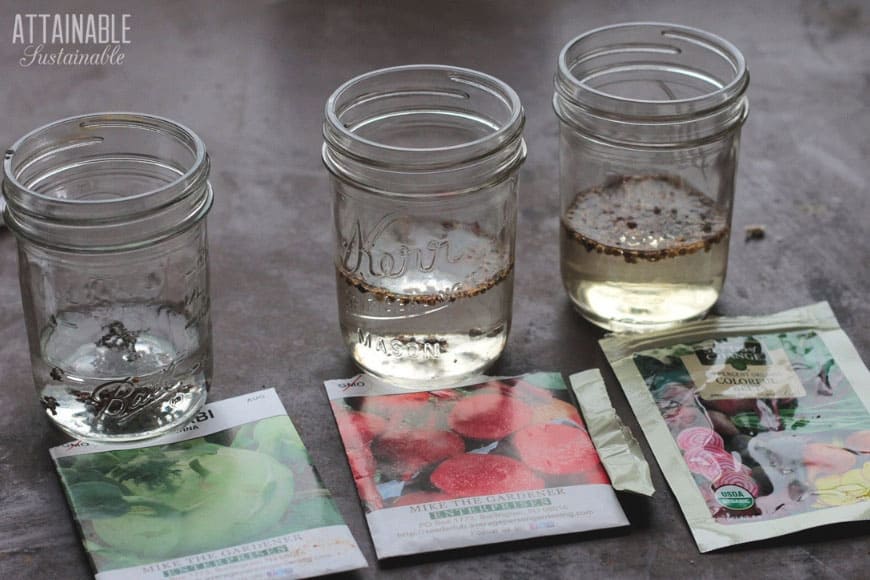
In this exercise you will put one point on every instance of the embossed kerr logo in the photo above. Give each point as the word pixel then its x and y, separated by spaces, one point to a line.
pixel 361 253
pixel 71 39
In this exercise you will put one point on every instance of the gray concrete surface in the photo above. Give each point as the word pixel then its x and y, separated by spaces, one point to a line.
pixel 251 78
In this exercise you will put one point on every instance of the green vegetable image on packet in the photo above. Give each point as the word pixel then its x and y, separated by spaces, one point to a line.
pixel 494 460
pixel 233 493
pixel 761 425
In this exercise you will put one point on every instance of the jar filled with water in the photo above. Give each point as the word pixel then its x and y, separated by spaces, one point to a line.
pixel 650 117
pixel 109 213
pixel 424 163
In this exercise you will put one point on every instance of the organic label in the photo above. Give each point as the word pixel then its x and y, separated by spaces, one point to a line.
pixel 734 497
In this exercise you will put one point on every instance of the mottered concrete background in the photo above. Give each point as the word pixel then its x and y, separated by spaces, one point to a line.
pixel 252 77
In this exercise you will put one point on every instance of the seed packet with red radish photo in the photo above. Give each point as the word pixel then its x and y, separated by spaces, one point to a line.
pixel 761 425
pixel 496 460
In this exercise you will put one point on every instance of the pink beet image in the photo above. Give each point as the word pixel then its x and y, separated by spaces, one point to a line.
pixel 699 438
pixel 739 478
pixel 703 462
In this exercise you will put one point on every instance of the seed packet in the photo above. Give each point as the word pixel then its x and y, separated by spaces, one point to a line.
pixel 495 460
pixel 761 425
pixel 232 494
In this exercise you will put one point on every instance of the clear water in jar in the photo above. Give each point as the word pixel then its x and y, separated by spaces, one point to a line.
pixel 445 317
pixel 121 372
pixel 643 253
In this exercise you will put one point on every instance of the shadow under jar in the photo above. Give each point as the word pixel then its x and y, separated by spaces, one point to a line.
pixel 109 213
pixel 650 117
pixel 424 162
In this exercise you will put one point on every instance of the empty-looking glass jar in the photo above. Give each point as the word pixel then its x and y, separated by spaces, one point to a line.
pixel 424 162
pixel 650 124
pixel 109 212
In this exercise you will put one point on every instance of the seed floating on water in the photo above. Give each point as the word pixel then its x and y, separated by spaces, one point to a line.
pixel 642 251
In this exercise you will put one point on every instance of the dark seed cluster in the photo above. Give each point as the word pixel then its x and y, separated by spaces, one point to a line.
pixel 382 295
pixel 650 217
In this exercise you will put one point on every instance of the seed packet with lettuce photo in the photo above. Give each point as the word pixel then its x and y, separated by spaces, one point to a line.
pixel 496 460
pixel 761 425
pixel 232 494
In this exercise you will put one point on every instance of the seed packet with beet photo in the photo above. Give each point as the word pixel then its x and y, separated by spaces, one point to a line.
pixel 761 425
pixel 232 494
pixel 498 460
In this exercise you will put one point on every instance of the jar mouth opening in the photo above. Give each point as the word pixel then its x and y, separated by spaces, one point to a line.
pixel 422 117
pixel 650 69
pixel 76 145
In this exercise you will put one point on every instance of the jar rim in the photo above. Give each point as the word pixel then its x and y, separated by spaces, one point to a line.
pixel 109 119
pixel 337 134
pixel 585 95
pixel 120 222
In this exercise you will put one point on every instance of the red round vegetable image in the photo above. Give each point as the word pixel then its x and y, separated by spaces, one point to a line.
pixel 489 416
pixel 497 437
pixel 363 468
pixel 405 452
pixel 393 407
pixel 556 449
pixel 556 410
pixel 358 429
pixel 472 474
pixel 518 389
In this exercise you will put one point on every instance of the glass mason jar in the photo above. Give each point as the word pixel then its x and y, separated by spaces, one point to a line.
pixel 650 117
pixel 424 164
pixel 108 210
